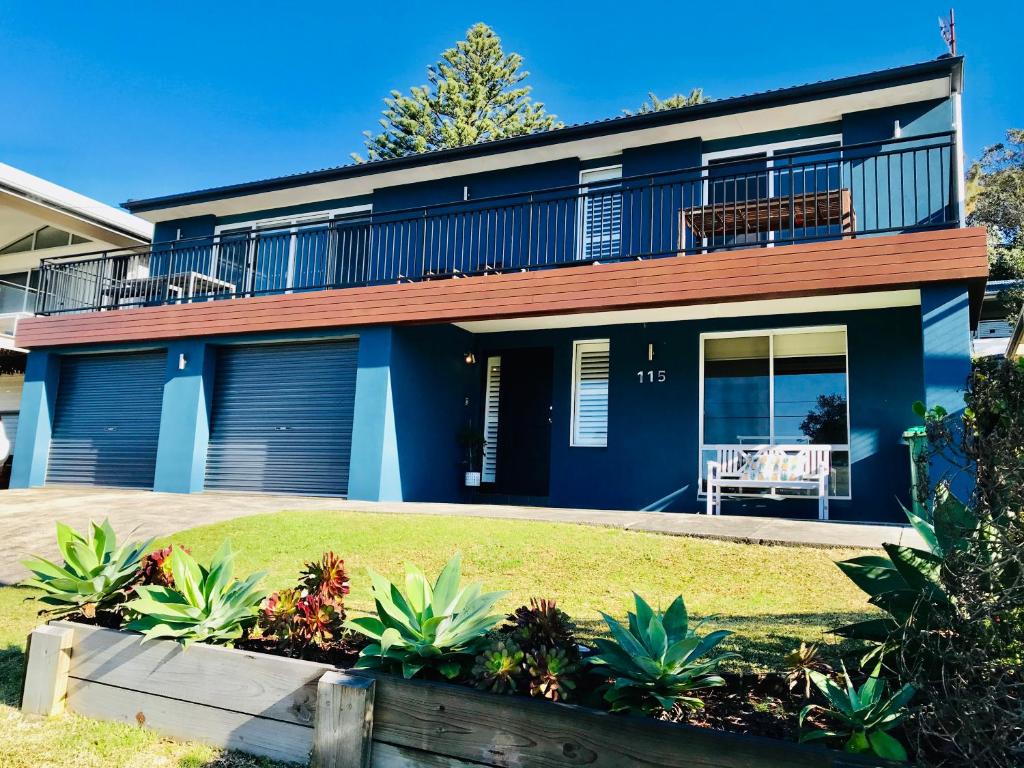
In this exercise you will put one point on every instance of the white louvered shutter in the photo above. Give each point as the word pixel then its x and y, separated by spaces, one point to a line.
pixel 590 393
pixel 602 214
pixel 491 403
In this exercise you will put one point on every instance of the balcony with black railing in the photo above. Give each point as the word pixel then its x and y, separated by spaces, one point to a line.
pixel 824 192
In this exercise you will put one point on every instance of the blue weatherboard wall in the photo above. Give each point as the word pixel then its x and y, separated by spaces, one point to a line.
pixel 946 341
pixel 651 459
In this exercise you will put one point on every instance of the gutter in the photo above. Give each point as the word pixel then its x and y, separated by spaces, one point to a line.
pixel 947 65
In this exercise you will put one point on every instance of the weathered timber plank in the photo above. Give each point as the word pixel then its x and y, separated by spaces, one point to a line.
pixel 187 721
pixel 343 729
pixel 240 681
pixel 510 731
pixel 46 673
pixel 390 756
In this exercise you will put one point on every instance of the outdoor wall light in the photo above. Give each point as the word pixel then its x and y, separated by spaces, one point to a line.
pixel 182 361
pixel 470 358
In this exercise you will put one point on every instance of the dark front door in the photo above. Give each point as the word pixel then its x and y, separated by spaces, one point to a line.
pixel 524 422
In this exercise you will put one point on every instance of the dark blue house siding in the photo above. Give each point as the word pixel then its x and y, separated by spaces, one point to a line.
pixel 651 459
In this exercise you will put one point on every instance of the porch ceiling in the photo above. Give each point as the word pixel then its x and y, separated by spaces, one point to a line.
pixel 866 265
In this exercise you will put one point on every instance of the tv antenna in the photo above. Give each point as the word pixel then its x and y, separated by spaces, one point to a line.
pixel 948 31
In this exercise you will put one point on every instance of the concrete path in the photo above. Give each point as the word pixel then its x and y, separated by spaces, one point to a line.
pixel 27 519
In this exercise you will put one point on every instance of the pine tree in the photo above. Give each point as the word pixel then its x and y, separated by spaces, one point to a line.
pixel 654 104
pixel 475 94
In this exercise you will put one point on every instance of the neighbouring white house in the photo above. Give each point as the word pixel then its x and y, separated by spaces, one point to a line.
pixel 40 220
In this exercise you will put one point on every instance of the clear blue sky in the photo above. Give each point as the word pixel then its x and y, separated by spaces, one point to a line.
pixel 129 100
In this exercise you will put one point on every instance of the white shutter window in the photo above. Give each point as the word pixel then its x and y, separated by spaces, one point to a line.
pixel 492 394
pixel 601 214
pixel 590 393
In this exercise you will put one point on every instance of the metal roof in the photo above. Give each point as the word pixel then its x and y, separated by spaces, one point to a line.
pixel 946 65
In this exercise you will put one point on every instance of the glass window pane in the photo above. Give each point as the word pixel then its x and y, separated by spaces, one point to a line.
pixel 19 246
pixel 77 239
pixel 810 388
pixel 736 390
pixel 51 237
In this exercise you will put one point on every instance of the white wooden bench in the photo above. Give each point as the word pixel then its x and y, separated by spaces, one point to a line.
pixel 771 468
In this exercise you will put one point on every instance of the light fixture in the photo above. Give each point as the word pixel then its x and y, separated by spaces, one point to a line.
pixel 182 361
pixel 470 358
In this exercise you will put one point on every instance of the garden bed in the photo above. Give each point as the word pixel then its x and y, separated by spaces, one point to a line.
pixel 287 709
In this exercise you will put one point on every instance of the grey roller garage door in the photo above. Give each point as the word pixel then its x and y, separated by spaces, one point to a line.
pixel 107 420
pixel 282 418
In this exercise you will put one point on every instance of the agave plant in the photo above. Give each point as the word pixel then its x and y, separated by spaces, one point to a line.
pixel 437 626
pixel 906 581
pixel 862 717
pixel 205 604
pixel 657 661
pixel 94 575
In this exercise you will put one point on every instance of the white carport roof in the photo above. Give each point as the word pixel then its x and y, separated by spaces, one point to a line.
pixel 22 194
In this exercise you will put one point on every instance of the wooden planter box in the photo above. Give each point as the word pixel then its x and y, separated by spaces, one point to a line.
pixel 297 711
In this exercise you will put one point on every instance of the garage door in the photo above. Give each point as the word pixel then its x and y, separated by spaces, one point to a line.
pixel 107 420
pixel 282 418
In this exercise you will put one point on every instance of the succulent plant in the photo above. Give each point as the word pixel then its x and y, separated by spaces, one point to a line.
pixel 551 674
pixel 205 605
pixel 541 624
pixel 326 577
pixel 657 661
pixel 437 626
pixel 499 668
pixel 94 575
pixel 155 568
pixel 863 718
pixel 800 662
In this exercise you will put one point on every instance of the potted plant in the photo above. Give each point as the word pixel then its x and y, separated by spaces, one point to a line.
pixel 473 443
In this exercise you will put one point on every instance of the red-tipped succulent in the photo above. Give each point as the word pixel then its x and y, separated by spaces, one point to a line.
pixel 155 568
pixel 326 577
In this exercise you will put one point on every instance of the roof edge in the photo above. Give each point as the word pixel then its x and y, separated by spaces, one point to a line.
pixel 943 65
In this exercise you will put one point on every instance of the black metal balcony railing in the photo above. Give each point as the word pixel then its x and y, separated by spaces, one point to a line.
pixel 821 193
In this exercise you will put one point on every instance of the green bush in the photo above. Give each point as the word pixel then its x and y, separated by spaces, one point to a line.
pixel 95 574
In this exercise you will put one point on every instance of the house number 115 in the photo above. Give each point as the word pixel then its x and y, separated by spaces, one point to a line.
pixel 651 376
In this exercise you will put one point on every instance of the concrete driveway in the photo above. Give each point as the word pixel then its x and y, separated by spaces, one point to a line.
pixel 27 519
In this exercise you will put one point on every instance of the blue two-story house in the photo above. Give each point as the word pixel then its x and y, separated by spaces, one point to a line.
pixel 580 318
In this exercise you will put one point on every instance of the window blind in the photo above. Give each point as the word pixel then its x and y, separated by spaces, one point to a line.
pixel 492 396
pixel 590 393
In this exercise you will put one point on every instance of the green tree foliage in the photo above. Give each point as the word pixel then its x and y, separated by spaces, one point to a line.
pixel 475 93
pixel 675 101
pixel 995 200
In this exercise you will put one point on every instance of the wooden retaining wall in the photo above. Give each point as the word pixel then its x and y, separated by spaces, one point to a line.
pixel 299 711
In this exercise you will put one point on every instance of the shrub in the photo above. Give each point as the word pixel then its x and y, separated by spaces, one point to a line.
pixel 862 718
pixel 95 573
pixel 205 605
pixel 657 661
pixel 966 661
pixel 437 627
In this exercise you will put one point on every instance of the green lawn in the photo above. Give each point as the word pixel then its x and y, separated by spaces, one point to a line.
pixel 771 597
